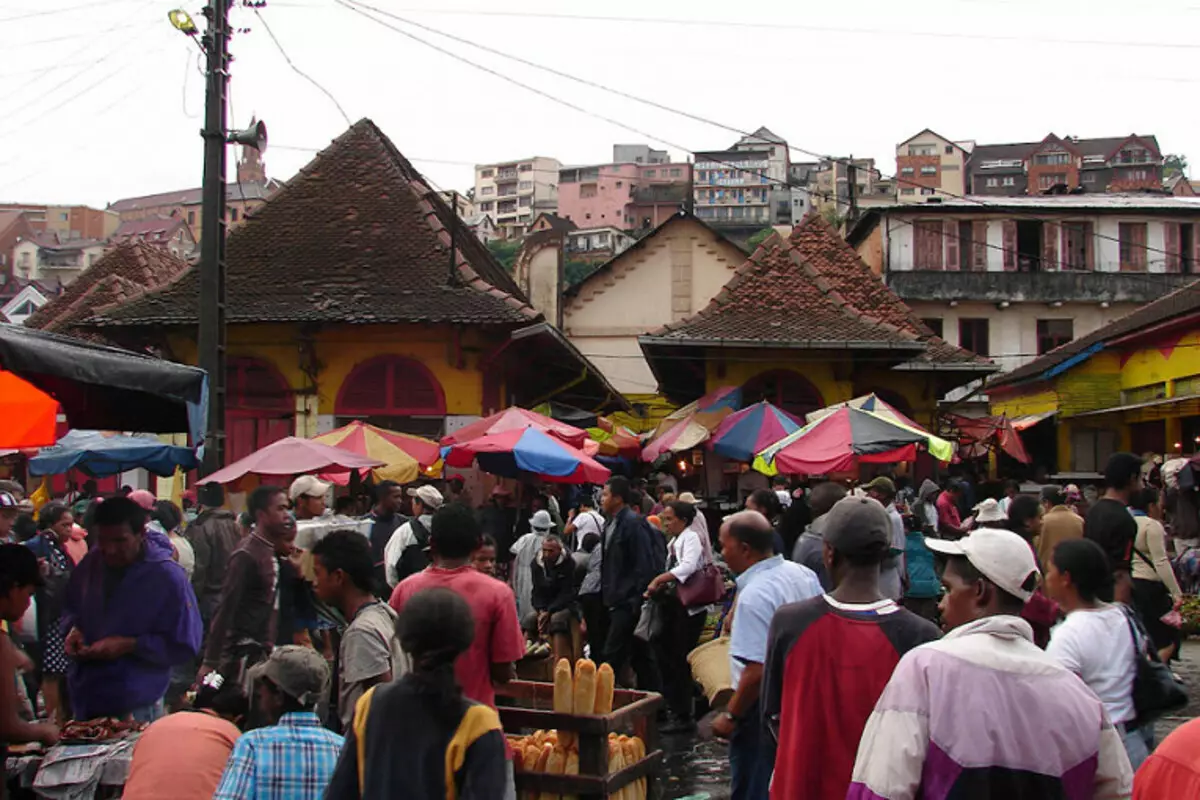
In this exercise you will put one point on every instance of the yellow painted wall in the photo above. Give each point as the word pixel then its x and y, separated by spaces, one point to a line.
pixel 740 366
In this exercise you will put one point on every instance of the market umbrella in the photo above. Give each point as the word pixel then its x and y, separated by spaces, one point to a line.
pixel 978 435
pixel 868 402
pixel 525 452
pixel 514 418
pixel 106 388
pixel 30 415
pixel 729 397
pixel 402 454
pixel 293 456
pixel 568 414
pixel 839 441
pixel 751 430
pixel 100 454
pixel 615 440
pixel 675 436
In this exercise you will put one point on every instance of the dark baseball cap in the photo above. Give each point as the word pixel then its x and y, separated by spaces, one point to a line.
pixel 858 526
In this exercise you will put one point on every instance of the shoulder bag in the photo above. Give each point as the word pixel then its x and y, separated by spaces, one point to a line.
pixel 707 584
pixel 1155 690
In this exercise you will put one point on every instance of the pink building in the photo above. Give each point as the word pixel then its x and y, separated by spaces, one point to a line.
pixel 620 195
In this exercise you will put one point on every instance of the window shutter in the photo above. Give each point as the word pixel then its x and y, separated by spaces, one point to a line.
pixel 1089 247
pixel 950 234
pixel 1010 245
pixel 979 247
pixel 1050 246
pixel 1196 247
pixel 1173 237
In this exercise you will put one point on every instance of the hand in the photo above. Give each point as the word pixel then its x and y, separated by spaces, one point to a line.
pixel 73 644
pixel 1178 604
pixel 202 673
pixel 658 583
pixel 109 648
pixel 723 725
pixel 571 515
pixel 48 733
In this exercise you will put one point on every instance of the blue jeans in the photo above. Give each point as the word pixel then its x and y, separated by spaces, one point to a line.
pixel 148 714
pixel 1136 746
pixel 751 758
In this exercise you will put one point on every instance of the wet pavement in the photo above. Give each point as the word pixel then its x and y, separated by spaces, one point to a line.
pixel 699 770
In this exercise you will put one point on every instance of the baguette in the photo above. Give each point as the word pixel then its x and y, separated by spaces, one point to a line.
pixel 543 757
pixel 555 766
pixel 616 763
pixel 563 688
pixel 571 768
pixel 585 687
pixel 529 757
pixel 605 682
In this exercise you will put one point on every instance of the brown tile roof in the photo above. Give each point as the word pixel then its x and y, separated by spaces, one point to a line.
pixel 191 197
pixel 124 273
pixel 1185 300
pixel 158 230
pixel 812 291
pixel 357 237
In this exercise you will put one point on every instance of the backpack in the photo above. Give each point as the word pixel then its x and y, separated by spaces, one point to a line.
pixel 414 558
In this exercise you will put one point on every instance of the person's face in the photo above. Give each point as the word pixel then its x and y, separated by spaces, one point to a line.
pixel 119 546
pixel 8 518
pixel 608 501
pixel 876 495
pixel 62 528
pixel 276 520
pixel 551 550
pixel 962 601
pixel 14 604
pixel 671 523
pixel 484 560
pixel 418 507
pixel 392 500
pixel 310 506
pixel 1035 524
pixel 1057 584
pixel 285 544
pixel 735 553
pixel 327 585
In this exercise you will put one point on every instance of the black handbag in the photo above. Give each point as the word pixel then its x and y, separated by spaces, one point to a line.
pixel 1155 690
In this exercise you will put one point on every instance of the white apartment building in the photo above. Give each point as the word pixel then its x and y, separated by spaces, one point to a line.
pixel 513 193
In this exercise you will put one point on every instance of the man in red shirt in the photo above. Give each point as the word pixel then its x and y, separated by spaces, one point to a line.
pixel 949 520
pixel 499 643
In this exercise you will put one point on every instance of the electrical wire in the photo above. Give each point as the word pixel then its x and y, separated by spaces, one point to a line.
pixel 68 9
pixel 298 71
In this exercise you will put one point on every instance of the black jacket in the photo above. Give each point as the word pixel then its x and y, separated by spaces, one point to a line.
pixel 214 535
pixel 633 554
pixel 553 588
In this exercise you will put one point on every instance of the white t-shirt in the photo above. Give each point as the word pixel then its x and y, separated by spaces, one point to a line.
pixel 1096 645
pixel 587 522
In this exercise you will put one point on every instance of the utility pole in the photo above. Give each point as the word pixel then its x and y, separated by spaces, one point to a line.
pixel 212 236
pixel 851 187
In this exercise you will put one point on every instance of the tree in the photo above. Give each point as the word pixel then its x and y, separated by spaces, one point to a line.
pixel 505 251
pixel 1172 164
pixel 576 271
pixel 758 238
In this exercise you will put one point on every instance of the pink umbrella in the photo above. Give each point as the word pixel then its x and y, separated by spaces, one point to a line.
pixel 293 456
pixel 528 452
pixel 514 418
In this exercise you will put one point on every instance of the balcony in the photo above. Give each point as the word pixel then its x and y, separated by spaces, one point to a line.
pixel 1034 287
pixel 506 190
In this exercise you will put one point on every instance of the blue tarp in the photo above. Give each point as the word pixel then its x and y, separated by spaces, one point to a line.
pixel 99 455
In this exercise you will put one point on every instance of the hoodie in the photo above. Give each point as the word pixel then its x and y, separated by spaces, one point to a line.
pixel 152 601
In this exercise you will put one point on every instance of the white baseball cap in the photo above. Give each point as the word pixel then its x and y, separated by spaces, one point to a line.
pixel 430 497
pixel 1003 557
pixel 307 486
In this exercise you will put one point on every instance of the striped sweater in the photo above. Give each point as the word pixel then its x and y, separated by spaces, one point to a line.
pixel 983 713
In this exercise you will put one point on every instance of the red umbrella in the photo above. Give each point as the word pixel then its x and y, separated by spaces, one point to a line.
pixel 30 415
pixel 293 456
pixel 978 435
pixel 518 419
pixel 528 451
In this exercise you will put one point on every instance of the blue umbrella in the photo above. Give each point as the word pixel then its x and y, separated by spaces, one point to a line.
pixel 527 451
pixel 98 454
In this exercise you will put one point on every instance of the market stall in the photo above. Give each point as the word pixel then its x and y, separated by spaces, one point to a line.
pixel 99 454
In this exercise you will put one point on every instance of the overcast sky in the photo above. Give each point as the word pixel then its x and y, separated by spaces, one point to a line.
pixel 104 100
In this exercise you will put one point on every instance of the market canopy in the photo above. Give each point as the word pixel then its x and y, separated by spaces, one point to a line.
pixel 676 436
pixel 293 456
pixel 838 442
pixel 977 436
pixel 514 418
pixel 100 454
pixel 403 455
pixel 106 388
pixel 568 414
pixel 30 415
pixel 527 452
pixel 744 433
pixel 867 402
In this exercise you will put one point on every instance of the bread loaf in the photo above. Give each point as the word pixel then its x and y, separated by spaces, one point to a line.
pixel 605 683
pixel 585 687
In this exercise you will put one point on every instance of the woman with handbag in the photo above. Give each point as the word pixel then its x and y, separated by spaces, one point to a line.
pixel 698 583
pixel 1094 640
pixel 1156 591
pixel 55 522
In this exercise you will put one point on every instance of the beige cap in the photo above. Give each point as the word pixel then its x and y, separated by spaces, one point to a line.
pixel 1003 557
pixel 307 486
pixel 430 497
pixel 299 672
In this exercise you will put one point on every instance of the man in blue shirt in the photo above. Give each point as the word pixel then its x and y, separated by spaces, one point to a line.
pixel 765 582
pixel 295 757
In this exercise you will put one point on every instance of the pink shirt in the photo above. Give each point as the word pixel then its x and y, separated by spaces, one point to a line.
pixel 498 637
pixel 180 757
pixel 948 511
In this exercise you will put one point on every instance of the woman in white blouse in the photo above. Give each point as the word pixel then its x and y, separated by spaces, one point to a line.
pixel 686 554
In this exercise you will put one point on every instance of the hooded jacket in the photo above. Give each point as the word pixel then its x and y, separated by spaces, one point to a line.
pixel 151 601
pixel 214 535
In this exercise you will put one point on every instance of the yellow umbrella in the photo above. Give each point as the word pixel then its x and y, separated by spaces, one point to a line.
pixel 403 454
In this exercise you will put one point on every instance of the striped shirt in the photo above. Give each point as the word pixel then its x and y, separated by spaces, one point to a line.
pixel 292 760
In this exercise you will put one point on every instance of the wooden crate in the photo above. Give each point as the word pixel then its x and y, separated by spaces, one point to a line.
pixel 528 706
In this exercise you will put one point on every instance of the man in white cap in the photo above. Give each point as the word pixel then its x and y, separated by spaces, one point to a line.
pixel 984 712
pixel 405 552
pixel 307 494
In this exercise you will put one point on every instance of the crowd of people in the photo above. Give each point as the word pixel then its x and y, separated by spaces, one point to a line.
pixel 884 640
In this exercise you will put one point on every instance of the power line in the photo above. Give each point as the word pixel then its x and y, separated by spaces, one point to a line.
pixel 82 35
pixel 297 70
pixel 66 10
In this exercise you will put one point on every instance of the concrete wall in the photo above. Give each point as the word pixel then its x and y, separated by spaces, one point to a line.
pixel 608 197
pixel 949 179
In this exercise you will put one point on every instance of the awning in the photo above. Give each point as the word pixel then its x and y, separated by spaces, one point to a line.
pixel 1163 401
pixel 540 364
pixel 1029 420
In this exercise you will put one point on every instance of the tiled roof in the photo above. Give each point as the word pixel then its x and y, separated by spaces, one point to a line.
pixel 811 290
pixel 50 240
pixel 356 237
pixel 124 273
pixel 1185 300
pixel 151 229
pixel 1103 146
pixel 190 197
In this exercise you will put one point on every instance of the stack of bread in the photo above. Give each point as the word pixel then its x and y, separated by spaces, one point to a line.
pixel 587 691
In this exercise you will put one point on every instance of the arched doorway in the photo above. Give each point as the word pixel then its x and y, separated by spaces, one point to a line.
pixel 393 392
pixel 259 407
pixel 785 389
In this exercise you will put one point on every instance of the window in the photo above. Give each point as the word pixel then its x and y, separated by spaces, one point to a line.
pixel 1144 394
pixel 1088 177
pixel 488 206
pixel 934 324
pixel 925 190
pixel 677 172
pixel 927 244
pixel 650 173
pixel 1132 236
pixel 487 190
pixel 620 184
pixel 233 215
pixel 191 218
pixel 1077 245
pixel 487 173
pixel 906 170
pixel 973 335
pixel 525 185
pixel 64 216
pixel 921 149
pixel 908 190
pixel 1010 181
pixel 929 170
pixel 1135 175
pixel 1043 159
pixel 525 167
pixel 1051 180
pixel 993 183
pixel 949 149
pixel 1052 333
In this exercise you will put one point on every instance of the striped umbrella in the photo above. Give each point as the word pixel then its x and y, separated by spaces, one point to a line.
pixel 527 452
pixel 402 454
pixel 751 430
pixel 868 402
pixel 675 436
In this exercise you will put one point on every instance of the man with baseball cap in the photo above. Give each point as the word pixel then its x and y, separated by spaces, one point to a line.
pixel 1036 730
pixel 295 756
pixel 308 497
pixel 814 710
pixel 892 575
pixel 405 552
